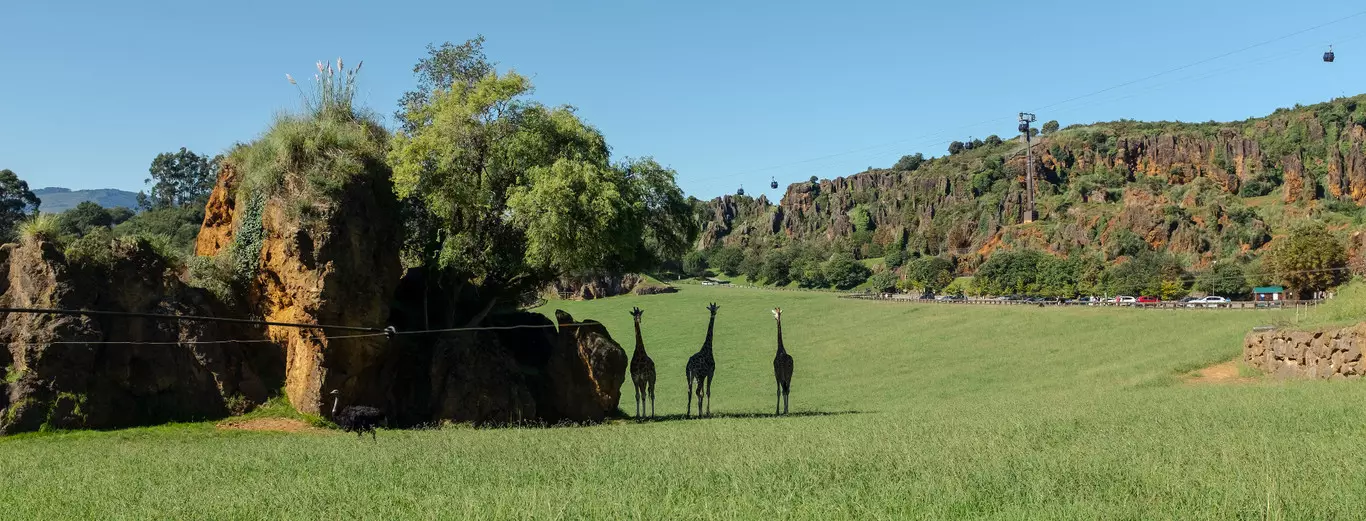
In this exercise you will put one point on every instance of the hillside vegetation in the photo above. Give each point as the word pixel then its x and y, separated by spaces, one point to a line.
pixel 1192 194
pixel 899 411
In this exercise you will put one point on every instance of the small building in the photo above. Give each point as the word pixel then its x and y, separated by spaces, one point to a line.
pixel 1268 293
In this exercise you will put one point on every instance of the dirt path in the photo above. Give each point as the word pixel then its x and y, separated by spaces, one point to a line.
pixel 269 424
pixel 1226 372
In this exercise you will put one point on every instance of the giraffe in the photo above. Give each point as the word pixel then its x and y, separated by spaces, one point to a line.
pixel 642 371
pixel 782 367
pixel 701 368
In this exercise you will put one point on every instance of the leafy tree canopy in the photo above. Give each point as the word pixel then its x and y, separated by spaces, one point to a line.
pixel 510 193
pixel 181 178
pixel 1310 259
pixel 17 203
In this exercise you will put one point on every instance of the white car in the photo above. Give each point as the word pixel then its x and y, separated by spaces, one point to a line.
pixel 1122 299
pixel 1209 302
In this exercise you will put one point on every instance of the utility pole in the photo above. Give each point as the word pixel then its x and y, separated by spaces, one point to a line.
pixel 1029 214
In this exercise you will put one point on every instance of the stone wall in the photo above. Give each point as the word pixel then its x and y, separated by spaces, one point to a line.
pixel 1328 353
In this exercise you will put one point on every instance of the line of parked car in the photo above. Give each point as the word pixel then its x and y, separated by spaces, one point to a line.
pixel 1193 302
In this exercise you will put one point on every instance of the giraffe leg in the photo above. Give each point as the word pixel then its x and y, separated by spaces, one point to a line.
pixel 779 396
pixel 708 396
pixel 688 412
pixel 652 399
pixel 787 390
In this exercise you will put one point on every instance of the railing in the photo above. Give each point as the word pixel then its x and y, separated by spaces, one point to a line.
pixel 1236 304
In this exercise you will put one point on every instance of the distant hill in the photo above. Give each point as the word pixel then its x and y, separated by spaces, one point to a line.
pixel 1201 191
pixel 56 200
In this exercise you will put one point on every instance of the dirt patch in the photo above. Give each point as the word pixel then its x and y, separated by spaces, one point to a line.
pixel 1226 372
pixel 269 424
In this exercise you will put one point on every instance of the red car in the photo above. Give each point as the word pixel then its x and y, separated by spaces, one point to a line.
pixel 1148 300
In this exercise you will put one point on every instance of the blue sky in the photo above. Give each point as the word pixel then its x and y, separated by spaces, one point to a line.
pixel 724 92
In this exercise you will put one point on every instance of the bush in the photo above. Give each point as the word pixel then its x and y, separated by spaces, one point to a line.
pixel 844 272
pixel 883 281
pixel 909 162
pixel 1310 259
pixel 955 147
pixel 215 274
pixel 92 251
pixel 179 225
pixel 895 259
pixel 930 273
pixel 695 263
pixel 727 259
pixel 775 269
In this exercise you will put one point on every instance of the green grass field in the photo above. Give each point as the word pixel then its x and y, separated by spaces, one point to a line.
pixel 901 411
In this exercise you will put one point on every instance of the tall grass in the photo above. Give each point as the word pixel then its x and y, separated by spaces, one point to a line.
pixel 312 155
pixel 44 227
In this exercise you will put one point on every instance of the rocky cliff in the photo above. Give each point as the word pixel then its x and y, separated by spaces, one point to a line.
pixel 338 265
pixel 1183 188
pixel 74 371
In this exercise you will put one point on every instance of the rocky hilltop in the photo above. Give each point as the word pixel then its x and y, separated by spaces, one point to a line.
pixel 1192 189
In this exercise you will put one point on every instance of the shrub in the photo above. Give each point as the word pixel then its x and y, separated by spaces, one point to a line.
pixel 844 272
pixel 215 274
pixel 93 250
pixel 695 263
pixel 883 281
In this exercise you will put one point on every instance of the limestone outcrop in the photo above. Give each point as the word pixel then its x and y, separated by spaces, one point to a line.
pixel 77 371
pixel 337 266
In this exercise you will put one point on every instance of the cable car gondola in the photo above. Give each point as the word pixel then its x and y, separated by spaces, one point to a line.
pixel 1328 56
pixel 741 191
pixel 773 183
pixel 1024 127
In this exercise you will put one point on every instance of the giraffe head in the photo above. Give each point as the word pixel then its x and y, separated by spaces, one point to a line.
pixel 777 313
pixel 712 308
pixel 637 312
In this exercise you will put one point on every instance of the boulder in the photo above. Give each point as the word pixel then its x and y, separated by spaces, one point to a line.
pixel 585 371
pixel 53 378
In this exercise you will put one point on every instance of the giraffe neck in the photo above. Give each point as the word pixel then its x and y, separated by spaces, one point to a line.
pixel 706 345
pixel 640 342
pixel 335 399
pixel 781 350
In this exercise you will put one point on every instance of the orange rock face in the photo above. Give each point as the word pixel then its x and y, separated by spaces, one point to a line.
pixel 337 269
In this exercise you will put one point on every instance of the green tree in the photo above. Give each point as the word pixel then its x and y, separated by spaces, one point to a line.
pixel 752 266
pixel 727 259
pixel 910 162
pixel 179 225
pixel 955 147
pixel 775 269
pixel 895 258
pixel 695 263
pixel 993 140
pixel 932 274
pixel 17 203
pixel 1309 259
pixel 86 216
pixel 1145 274
pixel 1050 127
pixel 1226 279
pixel 844 272
pixel 181 179
pixel 883 281
pixel 511 193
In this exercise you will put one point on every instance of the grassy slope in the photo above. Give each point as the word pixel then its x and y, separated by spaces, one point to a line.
pixel 927 411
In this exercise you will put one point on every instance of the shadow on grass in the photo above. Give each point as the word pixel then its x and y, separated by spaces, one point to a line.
pixel 733 415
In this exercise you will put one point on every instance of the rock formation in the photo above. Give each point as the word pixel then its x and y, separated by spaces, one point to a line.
pixel 49 378
pixel 339 268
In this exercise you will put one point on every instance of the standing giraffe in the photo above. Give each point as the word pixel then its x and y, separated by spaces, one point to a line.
pixel 782 366
pixel 642 371
pixel 701 367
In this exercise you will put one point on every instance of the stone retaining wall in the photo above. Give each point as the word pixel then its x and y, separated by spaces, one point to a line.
pixel 1328 353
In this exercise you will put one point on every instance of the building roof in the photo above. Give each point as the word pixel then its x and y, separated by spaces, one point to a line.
pixel 1268 289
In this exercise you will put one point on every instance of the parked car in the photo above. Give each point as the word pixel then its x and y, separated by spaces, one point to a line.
pixel 1209 302
pixel 1148 300
pixel 1124 299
